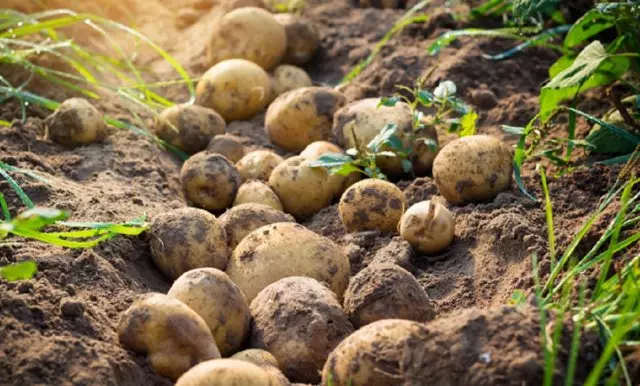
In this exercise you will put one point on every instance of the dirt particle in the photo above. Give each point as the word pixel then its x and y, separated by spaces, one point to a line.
pixel 71 308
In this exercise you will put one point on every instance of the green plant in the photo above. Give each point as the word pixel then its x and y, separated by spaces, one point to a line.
pixel 23 270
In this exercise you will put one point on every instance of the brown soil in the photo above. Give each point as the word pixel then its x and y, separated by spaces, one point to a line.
pixel 59 328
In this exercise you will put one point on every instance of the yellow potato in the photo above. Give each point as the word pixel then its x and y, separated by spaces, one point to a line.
pixel 75 122
pixel 210 181
pixel 286 78
pixel 316 150
pixel 190 128
pixel 228 145
pixel 257 192
pixel 428 226
pixel 226 372
pixel 302 38
pixel 258 165
pixel 258 357
pixel 241 220
pixel 230 5
pixel 372 204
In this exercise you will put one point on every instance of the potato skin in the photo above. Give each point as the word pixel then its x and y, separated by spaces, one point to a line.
pixel 301 116
pixel 258 165
pixel 235 88
pixel 302 38
pixel 185 239
pixel 287 77
pixel 473 169
pixel 225 372
pixel 75 122
pixel 249 33
pixel 300 322
pixel 228 145
pixel 280 250
pixel 241 220
pixel 258 357
pixel 190 128
pixel 317 149
pixel 372 204
pixel 219 302
pixel 173 335
pixel 257 192
pixel 210 181
pixel 428 227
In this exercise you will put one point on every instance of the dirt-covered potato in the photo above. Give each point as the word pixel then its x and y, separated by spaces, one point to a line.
pixel 302 38
pixel 241 220
pixel 258 165
pixel 190 128
pixel 372 204
pixel 228 145
pixel 187 238
pixel 299 117
pixel 219 302
pixel 235 88
pixel 385 291
pixel 276 251
pixel 210 181
pixel 226 372
pixel 303 190
pixel 173 335
pixel 299 321
pixel 428 226
pixel 257 192
pixel 287 77
pixel 266 361
pixel 473 169
pixel 249 33
pixel 316 150
pixel 384 4
pixel 75 122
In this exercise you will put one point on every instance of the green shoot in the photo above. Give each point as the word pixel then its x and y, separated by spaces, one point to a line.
pixel 24 270
pixel 549 215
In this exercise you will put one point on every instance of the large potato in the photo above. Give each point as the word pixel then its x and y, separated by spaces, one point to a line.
pixel 241 220
pixel 228 145
pixel 235 88
pixel 276 251
pixel 473 169
pixel 226 372
pixel 185 239
pixel 299 117
pixel 190 128
pixel 428 226
pixel 302 38
pixel 257 192
pixel 372 204
pixel 258 165
pixel 172 334
pixel 249 33
pixel 317 149
pixel 75 122
pixel 210 181
pixel 300 322
pixel 286 78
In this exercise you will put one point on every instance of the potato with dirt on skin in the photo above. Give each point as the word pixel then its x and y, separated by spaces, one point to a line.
pixel 428 226
pixel 302 38
pixel 187 238
pixel 473 169
pixel 75 122
pixel 235 88
pixel 299 117
pixel 372 204
pixel 287 77
pixel 266 361
pixel 241 220
pixel 228 145
pixel 210 181
pixel 258 165
pixel 257 192
pixel 190 128
pixel 276 251
pixel 219 302
pixel 317 149
pixel 226 372
pixel 173 336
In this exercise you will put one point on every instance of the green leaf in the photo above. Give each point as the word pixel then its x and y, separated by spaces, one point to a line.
pixel 389 101
pixel 24 270
pixel 431 143
pixel 468 123
pixel 37 218
pixel 513 129
pixel 525 9
pixel 331 160
pixel 584 66
pixel 345 169
pixel 4 209
pixel 386 154
pixel 518 298
pixel 590 24
pixel 383 136
pixel 425 98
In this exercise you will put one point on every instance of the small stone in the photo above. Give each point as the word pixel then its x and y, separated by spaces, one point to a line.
pixel 71 308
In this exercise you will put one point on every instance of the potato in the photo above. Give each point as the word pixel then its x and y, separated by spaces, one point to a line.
pixel 228 145
pixel 241 220
pixel 264 360
pixel 428 227
pixel 303 190
pixel 172 334
pixel 299 117
pixel 236 88
pixel 317 149
pixel 473 169
pixel 230 5
pixel 190 128
pixel 219 302
pixel 372 204
pixel 258 165
pixel 257 192
pixel 286 78
pixel 280 250
pixel 185 239
pixel 302 38
pixel 75 122
pixel 300 322
pixel 249 33
pixel 226 372
pixel 209 181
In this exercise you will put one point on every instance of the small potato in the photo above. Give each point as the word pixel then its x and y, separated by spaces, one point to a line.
pixel 473 169
pixel 299 117
pixel 236 88
pixel 265 361
pixel 316 150
pixel 249 33
pixel 75 122
pixel 172 334
pixel 286 78
pixel 241 220
pixel 372 204
pixel 280 250
pixel 258 165
pixel 228 145
pixel 303 190
pixel 302 38
pixel 185 239
pixel 219 302
pixel 428 227
pixel 210 181
pixel 226 372
pixel 190 128
pixel 257 192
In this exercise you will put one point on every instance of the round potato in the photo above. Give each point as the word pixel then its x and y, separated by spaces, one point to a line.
pixel 226 372
pixel 317 149
pixel 249 33
pixel 228 145
pixel 185 239
pixel 257 192
pixel 473 169
pixel 265 361
pixel 219 302
pixel 235 88
pixel 299 117
pixel 428 227
pixel 372 204
pixel 280 250
pixel 75 122
pixel 241 220
pixel 172 334
pixel 190 128
pixel 210 181
pixel 286 78
pixel 302 38
pixel 258 165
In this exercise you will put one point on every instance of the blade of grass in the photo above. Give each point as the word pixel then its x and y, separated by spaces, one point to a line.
pixel 549 216
pixel 575 339
pixel 5 209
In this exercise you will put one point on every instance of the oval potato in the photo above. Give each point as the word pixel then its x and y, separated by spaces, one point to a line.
pixel 241 220
pixel 258 165
pixel 228 145
pixel 75 122
pixel 257 192
pixel 287 77
pixel 372 204
pixel 210 181
pixel 190 128
pixel 302 38
pixel 428 226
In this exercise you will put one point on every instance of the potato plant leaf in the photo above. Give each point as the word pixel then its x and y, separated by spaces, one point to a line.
pixel 331 160
pixel 525 9
pixel 389 101
pixel 589 25
pixel 23 270
pixel 468 123
pixel 584 66
pixel 37 218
